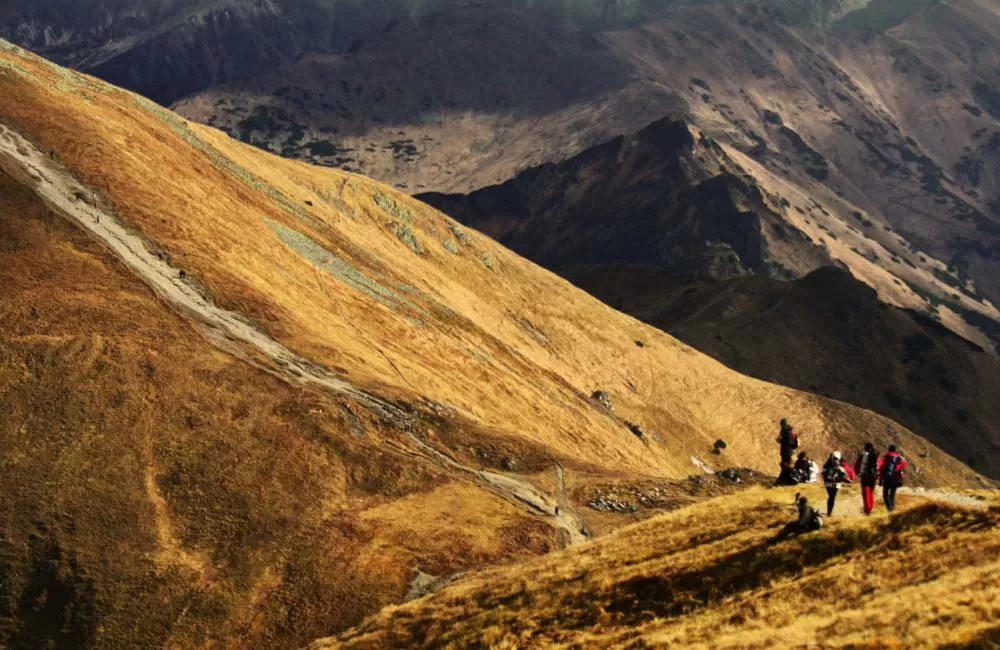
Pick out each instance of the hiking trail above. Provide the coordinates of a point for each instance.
(228, 330)
(557, 511)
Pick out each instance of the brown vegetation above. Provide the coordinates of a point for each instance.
(714, 575)
(161, 487)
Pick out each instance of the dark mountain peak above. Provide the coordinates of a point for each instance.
(668, 135)
(654, 198)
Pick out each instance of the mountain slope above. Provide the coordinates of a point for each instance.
(464, 99)
(664, 197)
(832, 117)
(716, 576)
(826, 120)
(248, 401)
(673, 198)
(829, 334)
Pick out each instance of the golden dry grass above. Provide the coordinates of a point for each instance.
(158, 492)
(514, 348)
(163, 492)
(713, 576)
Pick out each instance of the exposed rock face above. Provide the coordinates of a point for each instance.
(719, 261)
(604, 400)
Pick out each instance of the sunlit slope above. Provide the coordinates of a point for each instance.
(365, 282)
(164, 483)
(714, 576)
(158, 492)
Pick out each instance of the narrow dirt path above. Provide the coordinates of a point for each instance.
(946, 496)
(518, 490)
(229, 330)
(170, 551)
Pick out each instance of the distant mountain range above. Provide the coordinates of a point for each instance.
(166, 49)
(878, 135)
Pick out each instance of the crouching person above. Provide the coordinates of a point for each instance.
(808, 520)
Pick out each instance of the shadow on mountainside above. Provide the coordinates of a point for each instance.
(643, 598)
(473, 59)
(989, 639)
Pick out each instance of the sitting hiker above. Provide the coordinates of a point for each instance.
(808, 520)
(834, 475)
(809, 517)
(801, 470)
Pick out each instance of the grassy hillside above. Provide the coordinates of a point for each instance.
(828, 334)
(714, 576)
(247, 401)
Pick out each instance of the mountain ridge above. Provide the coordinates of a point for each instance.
(168, 485)
(821, 119)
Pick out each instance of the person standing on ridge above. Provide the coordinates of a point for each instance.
(788, 442)
(867, 468)
(834, 475)
(890, 476)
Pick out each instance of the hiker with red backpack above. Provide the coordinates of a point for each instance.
(867, 469)
(891, 476)
(834, 475)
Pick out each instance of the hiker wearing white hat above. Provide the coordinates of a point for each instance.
(834, 475)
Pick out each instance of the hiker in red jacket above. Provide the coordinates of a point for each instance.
(890, 476)
(867, 470)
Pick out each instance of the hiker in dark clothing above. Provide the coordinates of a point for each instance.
(788, 442)
(801, 469)
(807, 521)
(867, 468)
(834, 475)
(890, 476)
(809, 518)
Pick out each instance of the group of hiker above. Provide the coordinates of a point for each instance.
(870, 469)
